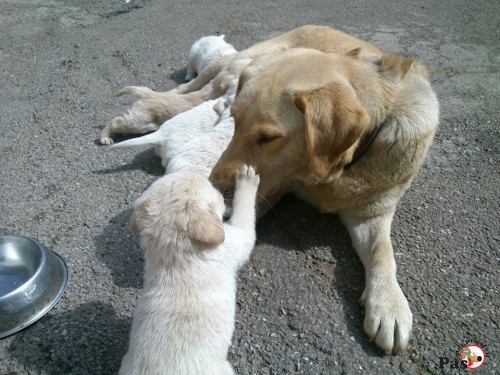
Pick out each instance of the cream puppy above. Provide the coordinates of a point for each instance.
(149, 112)
(201, 153)
(204, 50)
(193, 140)
(154, 108)
(184, 318)
(177, 131)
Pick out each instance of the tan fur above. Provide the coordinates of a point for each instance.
(206, 227)
(149, 112)
(302, 115)
(334, 120)
(154, 108)
(305, 107)
(321, 38)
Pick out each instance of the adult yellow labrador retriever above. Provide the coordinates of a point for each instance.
(338, 122)
(346, 127)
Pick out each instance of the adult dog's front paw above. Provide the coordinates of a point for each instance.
(388, 318)
(246, 177)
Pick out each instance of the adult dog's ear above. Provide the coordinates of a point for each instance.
(334, 120)
(206, 227)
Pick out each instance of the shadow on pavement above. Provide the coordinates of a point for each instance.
(63, 343)
(146, 161)
(178, 76)
(294, 225)
(115, 241)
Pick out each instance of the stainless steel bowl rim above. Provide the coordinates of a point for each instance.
(39, 269)
(53, 300)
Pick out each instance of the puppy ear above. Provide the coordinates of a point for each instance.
(137, 217)
(396, 67)
(206, 227)
(334, 120)
(354, 52)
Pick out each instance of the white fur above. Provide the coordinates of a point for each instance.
(177, 131)
(184, 318)
(193, 140)
(203, 51)
(202, 153)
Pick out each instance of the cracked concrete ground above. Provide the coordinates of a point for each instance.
(61, 62)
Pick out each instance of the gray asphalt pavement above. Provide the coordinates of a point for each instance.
(61, 62)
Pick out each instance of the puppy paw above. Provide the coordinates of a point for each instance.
(146, 114)
(105, 136)
(247, 183)
(220, 106)
(388, 318)
(246, 177)
(106, 141)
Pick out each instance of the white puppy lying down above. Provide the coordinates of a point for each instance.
(177, 131)
(195, 139)
(153, 108)
(184, 318)
(203, 51)
(202, 153)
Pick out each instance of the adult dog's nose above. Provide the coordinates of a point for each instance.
(222, 176)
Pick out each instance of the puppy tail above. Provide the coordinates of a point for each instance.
(146, 140)
(140, 91)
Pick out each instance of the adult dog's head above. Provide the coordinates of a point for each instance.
(300, 115)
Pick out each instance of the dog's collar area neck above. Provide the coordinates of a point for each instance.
(364, 148)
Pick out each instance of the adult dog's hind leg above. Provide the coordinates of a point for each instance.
(388, 318)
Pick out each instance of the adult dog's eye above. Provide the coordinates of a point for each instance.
(266, 139)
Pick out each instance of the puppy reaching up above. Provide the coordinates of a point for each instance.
(184, 318)
(203, 51)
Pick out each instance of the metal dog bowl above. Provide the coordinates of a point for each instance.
(32, 280)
